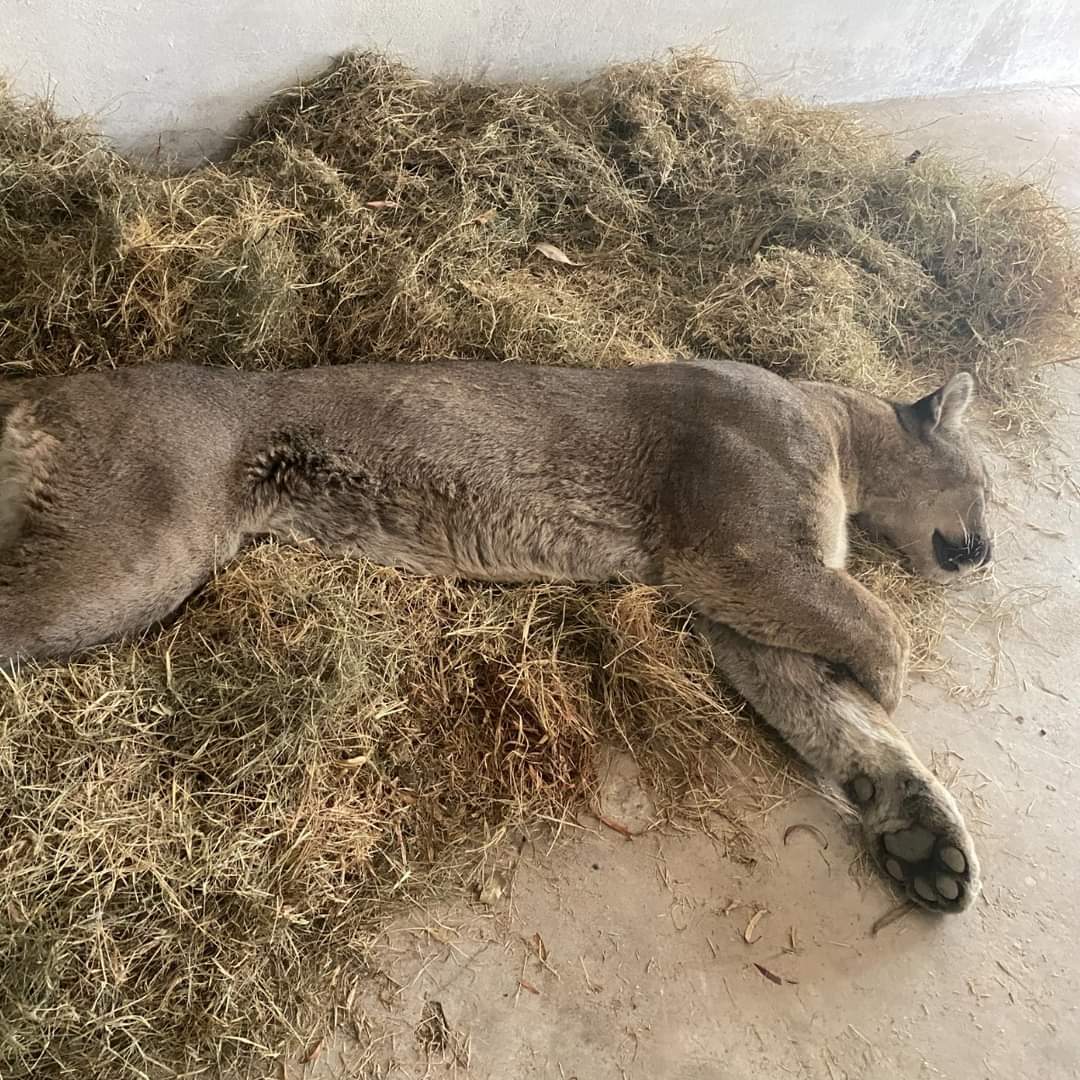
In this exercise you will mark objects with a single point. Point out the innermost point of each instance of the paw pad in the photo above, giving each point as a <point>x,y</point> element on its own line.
<point>933,871</point>
<point>861,790</point>
<point>954,859</point>
<point>912,844</point>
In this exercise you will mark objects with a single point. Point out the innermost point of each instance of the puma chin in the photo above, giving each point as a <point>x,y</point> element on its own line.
<point>937,514</point>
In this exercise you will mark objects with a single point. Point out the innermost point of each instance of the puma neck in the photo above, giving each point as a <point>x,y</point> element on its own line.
<point>866,436</point>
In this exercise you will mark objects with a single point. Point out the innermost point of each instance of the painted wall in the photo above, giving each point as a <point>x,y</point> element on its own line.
<point>184,71</point>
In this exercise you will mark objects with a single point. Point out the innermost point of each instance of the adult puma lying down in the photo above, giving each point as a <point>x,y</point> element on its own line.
<point>121,492</point>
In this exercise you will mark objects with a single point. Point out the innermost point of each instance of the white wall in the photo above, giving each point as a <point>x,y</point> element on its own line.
<point>186,70</point>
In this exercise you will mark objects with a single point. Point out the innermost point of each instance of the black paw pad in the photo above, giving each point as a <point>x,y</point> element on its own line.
<point>861,790</point>
<point>933,871</point>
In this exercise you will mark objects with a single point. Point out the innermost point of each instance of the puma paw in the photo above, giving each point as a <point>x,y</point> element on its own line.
<point>918,838</point>
<point>885,675</point>
<point>886,686</point>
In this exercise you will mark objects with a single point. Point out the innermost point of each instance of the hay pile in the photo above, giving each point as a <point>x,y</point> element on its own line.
<point>372,214</point>
<point>200,833</point>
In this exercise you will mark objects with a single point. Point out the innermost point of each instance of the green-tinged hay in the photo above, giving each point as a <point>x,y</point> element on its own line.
<point>201,832</point>
<point>207,275</point>
<point>819,317</point>
<point>1001,257</point>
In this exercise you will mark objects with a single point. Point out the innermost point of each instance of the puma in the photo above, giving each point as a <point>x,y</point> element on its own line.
<point>122,492</point>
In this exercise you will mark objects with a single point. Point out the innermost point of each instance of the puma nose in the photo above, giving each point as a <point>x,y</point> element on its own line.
<point>973,550</point>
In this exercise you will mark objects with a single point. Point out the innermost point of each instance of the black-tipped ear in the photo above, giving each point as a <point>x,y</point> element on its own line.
<point>944,408</point>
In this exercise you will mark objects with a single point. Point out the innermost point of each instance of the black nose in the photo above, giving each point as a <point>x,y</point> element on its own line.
<point>973,550</point>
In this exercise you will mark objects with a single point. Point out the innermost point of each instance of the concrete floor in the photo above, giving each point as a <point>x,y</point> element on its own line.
<point>645,971</point>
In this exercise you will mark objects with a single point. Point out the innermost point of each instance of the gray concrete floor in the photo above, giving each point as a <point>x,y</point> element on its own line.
<point>647,974</point>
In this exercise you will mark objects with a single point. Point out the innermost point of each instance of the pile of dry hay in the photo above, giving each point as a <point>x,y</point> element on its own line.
<point>200,833</point>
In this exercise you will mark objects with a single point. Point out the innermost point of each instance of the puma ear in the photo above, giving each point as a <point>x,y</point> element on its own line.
<point>944,408</point>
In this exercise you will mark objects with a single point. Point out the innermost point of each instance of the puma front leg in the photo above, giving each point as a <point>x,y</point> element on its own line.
<point>911,823</point>
<point>806,607</point>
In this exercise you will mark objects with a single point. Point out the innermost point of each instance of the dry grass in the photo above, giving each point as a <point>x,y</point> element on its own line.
<point>372,214</point>
<point>201,832</point>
